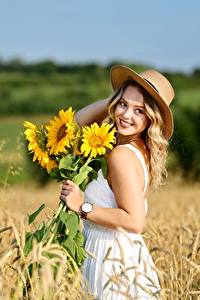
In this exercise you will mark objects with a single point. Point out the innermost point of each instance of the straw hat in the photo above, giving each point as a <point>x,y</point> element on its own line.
<point>155,84</point>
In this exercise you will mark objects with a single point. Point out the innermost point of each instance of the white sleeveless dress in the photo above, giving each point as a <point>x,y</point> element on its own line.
<point>119,266</point>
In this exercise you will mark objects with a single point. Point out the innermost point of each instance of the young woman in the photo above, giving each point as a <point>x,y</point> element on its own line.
<point>119,265</point>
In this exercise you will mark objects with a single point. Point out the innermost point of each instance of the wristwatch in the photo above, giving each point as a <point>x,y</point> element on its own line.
<point>85,208</point>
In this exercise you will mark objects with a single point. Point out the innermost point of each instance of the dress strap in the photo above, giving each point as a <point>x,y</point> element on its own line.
<point>142,161</point>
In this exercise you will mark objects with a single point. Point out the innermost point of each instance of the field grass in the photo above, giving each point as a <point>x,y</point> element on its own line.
<point>171,231</point>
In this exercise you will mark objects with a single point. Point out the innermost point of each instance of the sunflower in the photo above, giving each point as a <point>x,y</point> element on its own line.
<point>35,146</point>
<point>61,132</point>
<point>48,163</point>
<point>36,137</point>
<point>97,139</point>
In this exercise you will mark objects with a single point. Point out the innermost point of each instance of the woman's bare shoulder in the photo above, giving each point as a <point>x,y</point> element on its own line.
<point>122,156</point>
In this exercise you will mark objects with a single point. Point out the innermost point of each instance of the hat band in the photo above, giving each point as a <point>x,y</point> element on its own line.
<point>151,85</point>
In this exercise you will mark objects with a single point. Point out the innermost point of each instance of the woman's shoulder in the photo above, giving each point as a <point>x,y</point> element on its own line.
<point>122,156</point>
<point>125,157</point>
<point>125,149</point>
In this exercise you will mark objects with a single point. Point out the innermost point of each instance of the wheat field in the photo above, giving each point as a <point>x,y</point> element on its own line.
<point>171,233</point>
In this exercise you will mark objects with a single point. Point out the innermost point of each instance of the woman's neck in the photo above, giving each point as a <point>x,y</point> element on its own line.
<point>128,139</point>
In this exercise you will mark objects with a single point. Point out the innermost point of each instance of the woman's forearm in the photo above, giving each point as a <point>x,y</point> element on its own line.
<point>113,218</point>
<point>94,112</point>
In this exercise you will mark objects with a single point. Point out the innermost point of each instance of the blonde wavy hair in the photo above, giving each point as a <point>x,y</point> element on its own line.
<point>153,135</point>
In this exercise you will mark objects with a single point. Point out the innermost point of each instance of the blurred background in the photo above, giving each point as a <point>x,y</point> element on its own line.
<point>56,54</point>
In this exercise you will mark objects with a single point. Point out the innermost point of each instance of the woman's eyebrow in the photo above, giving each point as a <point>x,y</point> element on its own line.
<point>141,106</point>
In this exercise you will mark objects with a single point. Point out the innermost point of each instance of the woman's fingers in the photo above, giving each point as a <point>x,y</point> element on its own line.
<point>65,192</point>
<point>66,187</point>
<point>62,197</point>
<point>69,183</point>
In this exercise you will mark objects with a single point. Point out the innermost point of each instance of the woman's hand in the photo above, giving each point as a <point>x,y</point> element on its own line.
<point>72,195</point>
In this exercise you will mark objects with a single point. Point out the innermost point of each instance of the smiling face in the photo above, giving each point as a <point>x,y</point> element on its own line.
<point>129,114</point>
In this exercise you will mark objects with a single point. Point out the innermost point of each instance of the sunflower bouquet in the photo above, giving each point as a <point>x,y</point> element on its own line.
<point>66,151</point>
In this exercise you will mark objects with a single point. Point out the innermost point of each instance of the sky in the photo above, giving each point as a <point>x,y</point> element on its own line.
<point>162,34</point>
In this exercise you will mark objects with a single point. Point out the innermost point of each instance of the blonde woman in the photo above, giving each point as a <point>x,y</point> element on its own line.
<point>114,209</point>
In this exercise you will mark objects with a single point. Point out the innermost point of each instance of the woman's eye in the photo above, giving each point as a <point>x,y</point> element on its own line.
<point>139,111</point>
<point>123,104</point>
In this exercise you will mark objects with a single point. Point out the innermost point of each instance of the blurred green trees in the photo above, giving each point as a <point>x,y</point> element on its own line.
<point>46,87</point>
<point>186,143</point>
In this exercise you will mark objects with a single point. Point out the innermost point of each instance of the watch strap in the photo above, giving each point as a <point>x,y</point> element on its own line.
<point>83,215</point>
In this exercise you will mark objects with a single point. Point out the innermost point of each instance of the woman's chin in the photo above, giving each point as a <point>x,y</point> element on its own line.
<point>125,132</point>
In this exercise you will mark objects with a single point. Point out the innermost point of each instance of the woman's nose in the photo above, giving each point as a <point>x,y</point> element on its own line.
<point>128,114</point>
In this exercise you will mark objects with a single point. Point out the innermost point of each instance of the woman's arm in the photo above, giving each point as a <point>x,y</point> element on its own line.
<point>113,218</point>
<point>94,112</point>
<point>127,184</point>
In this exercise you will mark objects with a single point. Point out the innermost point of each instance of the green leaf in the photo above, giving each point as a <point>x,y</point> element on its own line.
<point>81,176</point>
<point>60,235</point>
<point>63,216</point>
<point>104,167</point>
<point>28,244</point>
<point>40,233</point>
<point>85,168</point>
<point>27,235</point>
<point>65,173</point>
<point>77,160</point>
<point>84,184</point>
<point>71,221</point>
<point>93,175</point>
<point>73,224</point>
<point>79,238</point>
<point>69,245</point>
<point>95,163</point>
<point>80,255</point>
<point>32,217</point>
<point>67,163</point>
<point>55,174</point>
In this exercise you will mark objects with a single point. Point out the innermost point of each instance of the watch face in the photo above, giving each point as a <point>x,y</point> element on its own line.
<point>87,207</point>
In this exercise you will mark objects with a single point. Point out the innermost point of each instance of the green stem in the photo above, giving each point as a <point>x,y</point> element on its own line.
<point>61,206</point>
<point>88,161</point>
<point>54,228</point>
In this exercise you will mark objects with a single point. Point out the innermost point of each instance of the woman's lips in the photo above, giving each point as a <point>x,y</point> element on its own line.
<point>124,123</point>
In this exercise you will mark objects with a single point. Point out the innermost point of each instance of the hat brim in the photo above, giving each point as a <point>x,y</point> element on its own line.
<point>120,74</point>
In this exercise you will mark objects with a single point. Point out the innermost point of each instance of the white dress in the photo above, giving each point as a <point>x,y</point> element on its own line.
<point>119,266</point>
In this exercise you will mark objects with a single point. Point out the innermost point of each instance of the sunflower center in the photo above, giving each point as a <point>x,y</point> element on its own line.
<point>61,132</point>
<point>95,141</point>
